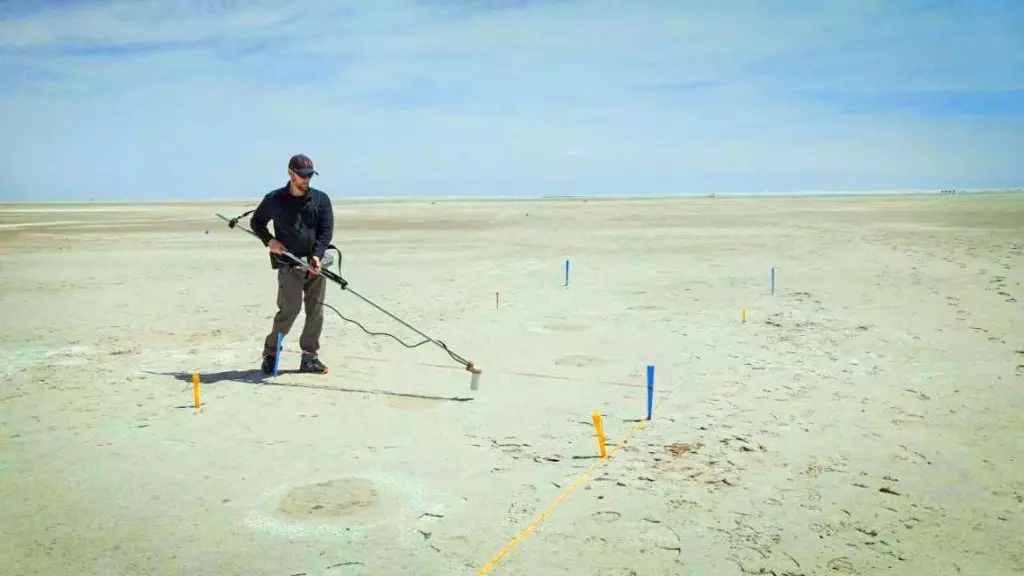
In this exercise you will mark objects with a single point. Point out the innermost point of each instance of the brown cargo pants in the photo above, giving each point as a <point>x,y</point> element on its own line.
<point>294,288</point>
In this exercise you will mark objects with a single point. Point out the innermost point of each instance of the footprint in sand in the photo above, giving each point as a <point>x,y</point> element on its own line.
<point>646,308</point>
<point>628,292</point>
<point>606,516</point>
<point>841,565</point>
<point>660,535</point>
<point>522,506</point>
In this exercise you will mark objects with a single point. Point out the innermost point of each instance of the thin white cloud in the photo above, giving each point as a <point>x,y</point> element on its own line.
<point>198,99</point>
<point>138,21</point>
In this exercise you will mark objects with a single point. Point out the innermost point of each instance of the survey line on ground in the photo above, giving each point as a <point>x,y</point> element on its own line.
<point>580,481</point>
<point>510,373</point>
<point>555,377</point>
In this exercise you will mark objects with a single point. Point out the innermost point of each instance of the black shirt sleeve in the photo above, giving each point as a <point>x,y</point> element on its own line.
<point>324,227</point>
<point>260,218</point>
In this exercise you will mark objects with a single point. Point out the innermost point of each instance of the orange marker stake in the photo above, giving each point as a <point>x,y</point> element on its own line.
<point>744,313</point>
<point>599,430</point>
<point>195,389</point>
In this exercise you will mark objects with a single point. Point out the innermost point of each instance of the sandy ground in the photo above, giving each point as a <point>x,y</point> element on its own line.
<point>864,419</point>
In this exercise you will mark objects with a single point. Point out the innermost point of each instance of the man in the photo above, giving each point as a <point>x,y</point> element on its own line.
<point>303,225</point>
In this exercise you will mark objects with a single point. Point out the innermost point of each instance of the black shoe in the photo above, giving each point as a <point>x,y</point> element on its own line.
<point>268,364</point>
<point>312,365</point>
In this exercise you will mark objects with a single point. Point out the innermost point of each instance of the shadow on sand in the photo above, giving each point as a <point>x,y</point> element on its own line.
<point>256,376</point>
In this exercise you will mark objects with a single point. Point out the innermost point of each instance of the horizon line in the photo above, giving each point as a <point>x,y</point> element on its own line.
<point>713,194</point>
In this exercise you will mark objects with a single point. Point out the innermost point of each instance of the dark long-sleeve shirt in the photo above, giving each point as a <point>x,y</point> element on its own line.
<point>304,224</point>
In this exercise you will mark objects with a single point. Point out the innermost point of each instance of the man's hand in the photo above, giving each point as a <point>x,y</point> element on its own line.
<point>275,246</point>
<point>314,265</point>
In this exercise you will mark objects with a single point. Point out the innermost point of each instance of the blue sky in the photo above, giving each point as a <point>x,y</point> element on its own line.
<point>151,100</point>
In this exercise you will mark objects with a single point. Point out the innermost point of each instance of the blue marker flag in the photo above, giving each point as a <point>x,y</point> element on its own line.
<point>650,391</point>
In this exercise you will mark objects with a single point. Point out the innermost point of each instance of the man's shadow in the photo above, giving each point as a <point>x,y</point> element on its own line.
<point>256,376</point>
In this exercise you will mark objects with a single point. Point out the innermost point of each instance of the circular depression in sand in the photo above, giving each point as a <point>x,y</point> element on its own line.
<point>561,328</point>
<point>338,498</point>
<point>347,505</point>
<point>579,360</point>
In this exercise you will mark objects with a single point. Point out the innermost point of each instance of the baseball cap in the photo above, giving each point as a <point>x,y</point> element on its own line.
<point>302,165</point>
